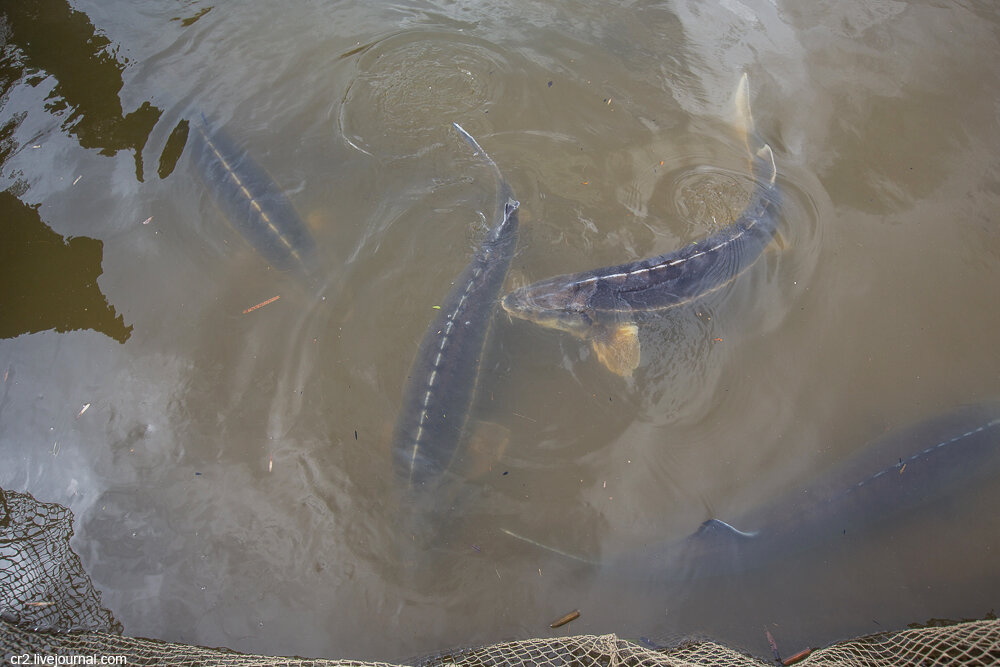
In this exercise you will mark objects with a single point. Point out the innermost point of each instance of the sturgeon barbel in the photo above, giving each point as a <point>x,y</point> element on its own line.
<point>444,374</point>
<point>600,305</point>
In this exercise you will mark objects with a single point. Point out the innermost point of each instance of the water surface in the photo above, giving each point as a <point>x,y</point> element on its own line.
<point>231,473</point>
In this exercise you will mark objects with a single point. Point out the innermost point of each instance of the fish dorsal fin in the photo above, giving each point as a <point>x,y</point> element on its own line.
<point>618,348</point>
<point>715,529</point>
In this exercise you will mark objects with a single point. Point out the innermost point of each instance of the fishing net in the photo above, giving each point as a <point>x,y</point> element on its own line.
<point>50,608</point>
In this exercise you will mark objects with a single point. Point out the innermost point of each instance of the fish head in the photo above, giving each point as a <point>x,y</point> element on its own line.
<point>565,303</point>
<point>553,304</point>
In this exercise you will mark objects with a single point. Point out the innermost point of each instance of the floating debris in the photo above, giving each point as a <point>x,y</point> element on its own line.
<point>572,616</point>
<point>792,659</point>
<point>261,304</point>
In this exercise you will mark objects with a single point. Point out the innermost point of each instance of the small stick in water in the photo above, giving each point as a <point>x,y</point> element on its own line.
<point>261,304</point>
<point>572,616</point>
<point>792,659</point>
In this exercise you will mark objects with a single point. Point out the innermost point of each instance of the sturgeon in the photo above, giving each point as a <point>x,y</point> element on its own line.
<point>899,473</point>
<point>600,305</point>
<point>252,202</point>
<point>443,378</point>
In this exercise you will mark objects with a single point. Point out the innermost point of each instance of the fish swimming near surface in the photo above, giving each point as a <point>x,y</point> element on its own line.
<point>444,375</point>
<point>899,473</point>
<point>252,202</point>
<point>601,305</point>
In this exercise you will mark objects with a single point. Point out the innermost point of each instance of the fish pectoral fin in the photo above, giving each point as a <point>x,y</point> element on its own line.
<point>715,529</point>
<point>779,244</point>
<point>618,348</point>
<point>485,447</point>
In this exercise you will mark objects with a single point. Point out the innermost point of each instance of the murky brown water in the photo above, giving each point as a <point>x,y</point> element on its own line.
<point>232,476</point>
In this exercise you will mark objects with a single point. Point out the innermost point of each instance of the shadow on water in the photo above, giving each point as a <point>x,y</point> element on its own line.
<point>50,282</point>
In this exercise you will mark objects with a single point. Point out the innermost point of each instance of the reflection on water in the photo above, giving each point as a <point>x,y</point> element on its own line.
<point>51,39</point>
<point>232,474</point>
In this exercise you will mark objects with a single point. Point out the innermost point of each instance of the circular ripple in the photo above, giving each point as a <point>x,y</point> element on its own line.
<point>710,199</point>
<point>412,86</point>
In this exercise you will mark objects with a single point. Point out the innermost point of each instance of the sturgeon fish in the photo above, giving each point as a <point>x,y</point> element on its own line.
<point>252,202</point>
<point>601,305</point>
<point>445,372</point>
<point>898,473</point>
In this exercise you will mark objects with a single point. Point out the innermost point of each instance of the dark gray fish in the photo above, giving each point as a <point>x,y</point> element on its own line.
<point>896,474</point>
<point>600,305</point>
<point>443,378</point>
<point>256,207</point>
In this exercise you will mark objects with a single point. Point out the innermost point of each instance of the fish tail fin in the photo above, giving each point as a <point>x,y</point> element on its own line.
<point>469,139</point>
<point>505,195</point>
<point>761,156</point>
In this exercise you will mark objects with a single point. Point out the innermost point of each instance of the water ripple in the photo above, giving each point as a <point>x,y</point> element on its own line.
<point>412,85</point>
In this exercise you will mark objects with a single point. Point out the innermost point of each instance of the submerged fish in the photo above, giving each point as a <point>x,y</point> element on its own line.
<point>900,472</point>
<point>600,305</point>
<point>444,374</point>
<point>256,207</point>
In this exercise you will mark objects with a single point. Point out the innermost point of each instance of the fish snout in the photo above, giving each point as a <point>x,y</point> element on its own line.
<point>515,304</point>
<point>546,310</point>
